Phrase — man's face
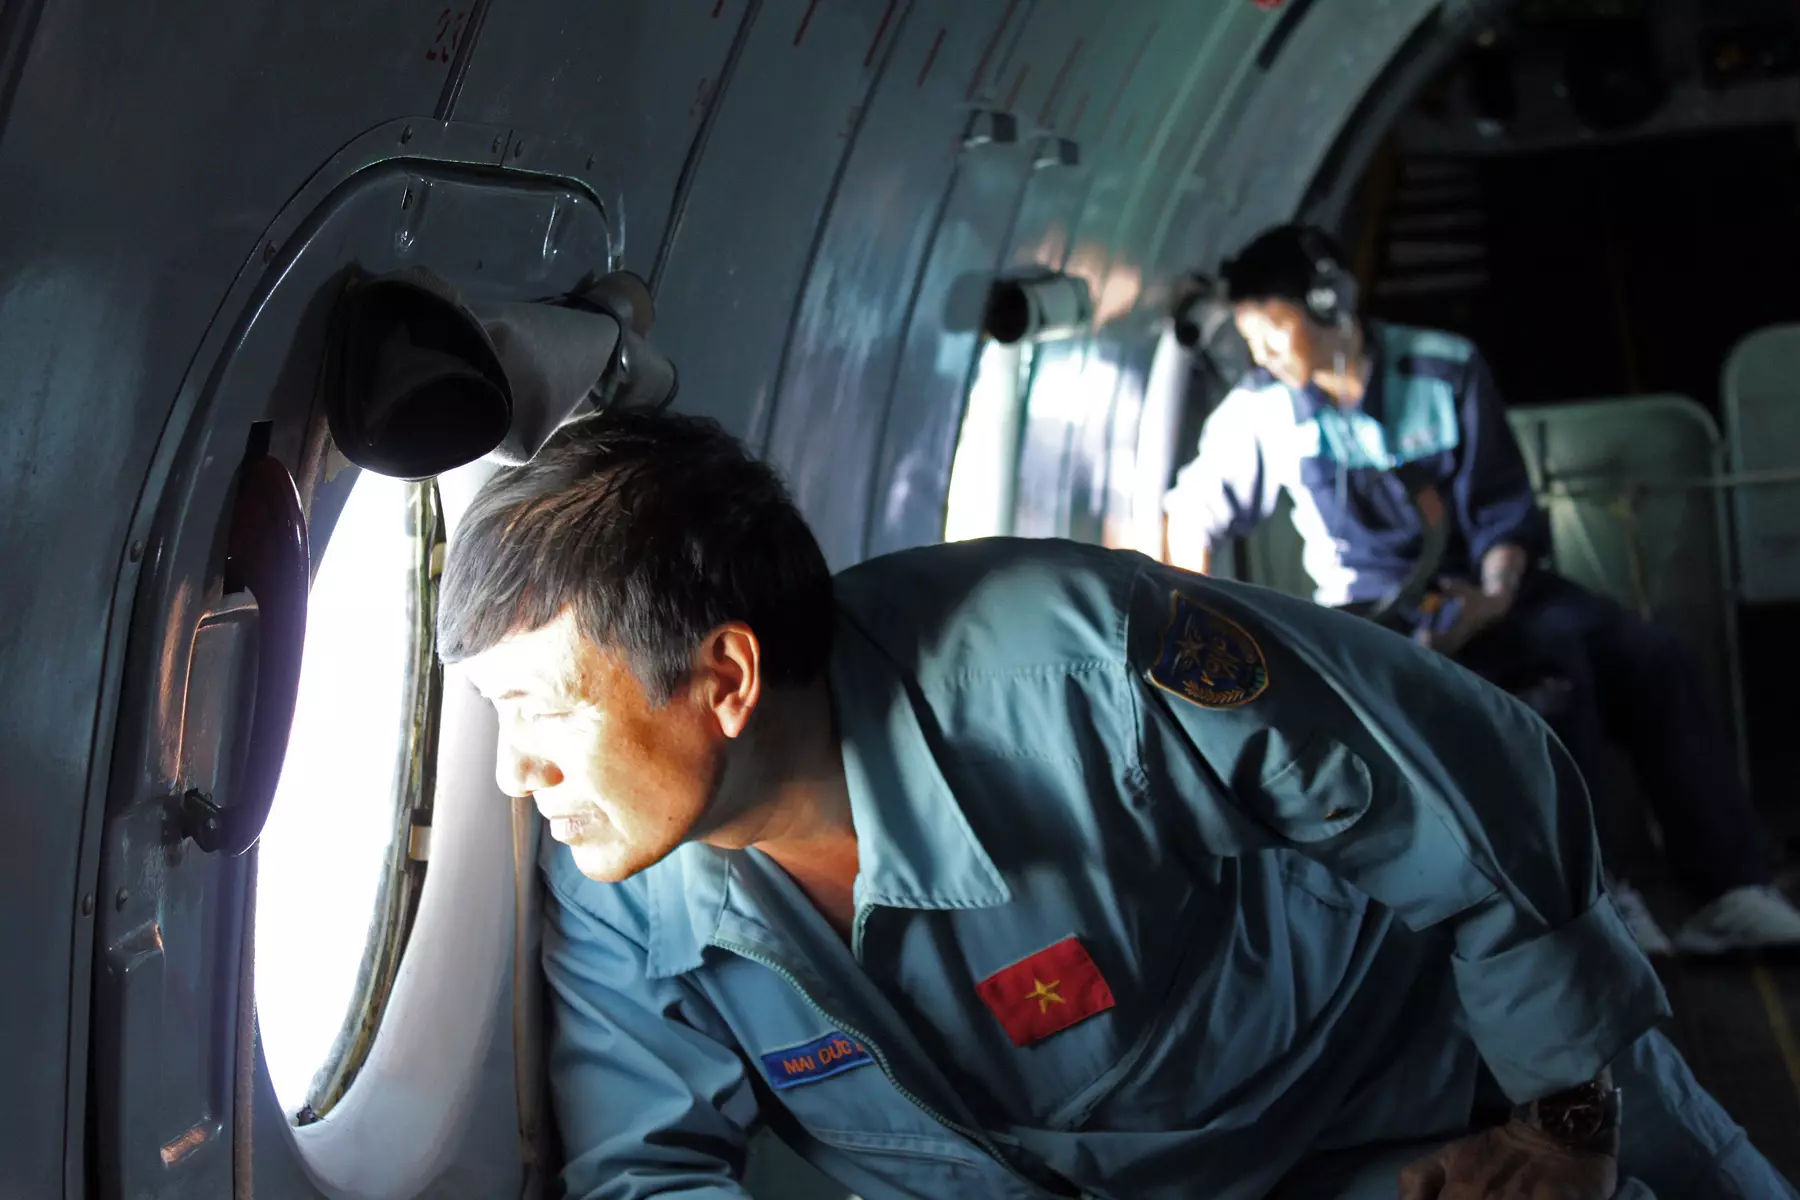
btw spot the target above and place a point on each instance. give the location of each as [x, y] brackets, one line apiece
[1282, 339]
[621, 781]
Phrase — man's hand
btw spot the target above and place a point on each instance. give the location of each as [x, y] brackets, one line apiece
[1478, 611]
[1512, 1162]
[1502, 568]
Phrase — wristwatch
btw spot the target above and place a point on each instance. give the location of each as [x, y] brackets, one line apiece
[1585, 1117]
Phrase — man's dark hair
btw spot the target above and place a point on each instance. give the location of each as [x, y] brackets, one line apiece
[655, 529]
[1280, 264]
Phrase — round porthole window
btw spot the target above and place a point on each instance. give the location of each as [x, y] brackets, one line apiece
[343, 854]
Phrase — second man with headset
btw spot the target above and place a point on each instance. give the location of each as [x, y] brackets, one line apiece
[1393, 445]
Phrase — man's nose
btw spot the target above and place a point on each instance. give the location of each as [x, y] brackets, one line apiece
[521, 774]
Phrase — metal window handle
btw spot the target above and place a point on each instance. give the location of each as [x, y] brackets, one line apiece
[266, 556]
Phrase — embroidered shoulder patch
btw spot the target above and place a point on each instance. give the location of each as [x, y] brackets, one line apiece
[812, 1061]
[1208, 659]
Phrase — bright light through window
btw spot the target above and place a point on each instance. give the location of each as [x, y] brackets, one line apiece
[329, 834]
[982, 474]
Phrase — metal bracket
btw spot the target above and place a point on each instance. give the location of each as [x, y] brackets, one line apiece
[1053, 151]
[200, 819]
[989, 128]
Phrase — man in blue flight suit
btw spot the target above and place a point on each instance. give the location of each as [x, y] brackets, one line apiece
[1032, 869]
[1377, 432]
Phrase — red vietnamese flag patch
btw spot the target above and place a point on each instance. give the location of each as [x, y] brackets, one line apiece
[1046, 993]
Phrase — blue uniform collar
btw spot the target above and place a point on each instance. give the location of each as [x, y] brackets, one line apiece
[687, 902]
[915, 845]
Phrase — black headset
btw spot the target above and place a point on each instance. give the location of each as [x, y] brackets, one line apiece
[1330, 287]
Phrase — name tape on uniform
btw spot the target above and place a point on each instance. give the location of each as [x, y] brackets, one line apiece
[812, 1061]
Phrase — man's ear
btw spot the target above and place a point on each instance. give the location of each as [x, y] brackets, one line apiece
[728, 669]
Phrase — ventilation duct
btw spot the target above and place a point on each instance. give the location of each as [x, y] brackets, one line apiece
[424, 381]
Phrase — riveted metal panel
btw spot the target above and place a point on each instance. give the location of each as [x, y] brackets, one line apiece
[142, 155]
[1122, 228]
[633, 82]
[1044, 49]
[1041, 239]
[1219, 58]
[930, 390]
[1290, 118]
[1075, 385]
[851, 323]
[1092, 72]
[742, 249]
[902, 195]
[170, 941]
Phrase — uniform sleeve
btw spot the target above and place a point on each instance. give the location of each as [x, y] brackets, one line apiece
[1225, 490]
[1273, 723]
[651, 1100]
[1492, 490]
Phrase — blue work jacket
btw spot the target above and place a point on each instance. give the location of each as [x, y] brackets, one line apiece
[1289, 877]
[1430, 416]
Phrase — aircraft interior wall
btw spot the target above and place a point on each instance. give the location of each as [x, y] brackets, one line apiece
[810, 188]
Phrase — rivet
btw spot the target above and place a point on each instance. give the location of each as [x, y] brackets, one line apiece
[137, 551]
[406, 135]
[120, 900]
[87, 905]
[499, 144]
[518, 149]
[269, 252]
[590, 165]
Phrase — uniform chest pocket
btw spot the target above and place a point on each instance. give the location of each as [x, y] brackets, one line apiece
[1055, 1022]
[1358, 502]
[1024, 1040]
[827, 1076]
[1321, 791]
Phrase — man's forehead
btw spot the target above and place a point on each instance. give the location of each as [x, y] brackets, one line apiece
[532, 663]
[1271, 309]
[1268, 316]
